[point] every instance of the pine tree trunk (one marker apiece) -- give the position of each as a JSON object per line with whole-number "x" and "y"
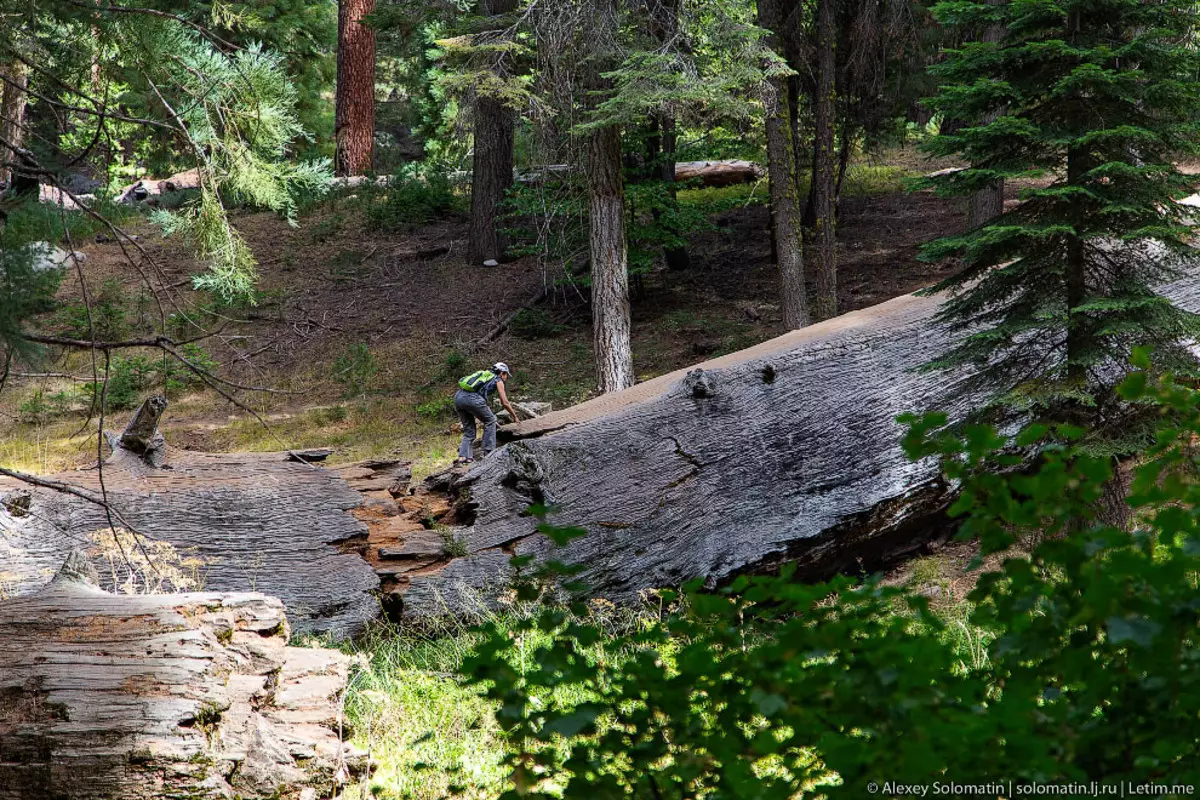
{"x": 12, "y": 115}
{"x": 1075, "y": 279}
{"x": 354, "y": 123}
{"x": 610, "y": 270}
{"x": 847, "y": 150}
{"x": 988, "y": 203}
{"x": 785, "y": 204}
{"x": 985, "y": 205}
{"x": 492, "y": 165}
{"x": 824, "y": 175}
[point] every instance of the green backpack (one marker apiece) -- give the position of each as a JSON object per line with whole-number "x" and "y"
{"x": 476, "y": 380}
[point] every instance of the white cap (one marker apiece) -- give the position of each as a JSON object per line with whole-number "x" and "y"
{"x": 500, "y": 366}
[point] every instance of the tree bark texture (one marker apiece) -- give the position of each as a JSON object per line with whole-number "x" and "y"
{"x": 610, "y": 271}
{"x": 492, "y": 162}
{"x": 253, "y": 522}
{"x": 787, "y": 451}
{"x": 824, "y": 240}
{"x": 110, "y": 697}
{"x": 1075, "y": 283}
{"x": 12, "y": 115}
{"x": 354, "y": 116}
{"x": 785, "y": 203}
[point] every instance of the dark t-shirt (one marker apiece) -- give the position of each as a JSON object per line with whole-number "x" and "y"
{"x": 487, "y": 389}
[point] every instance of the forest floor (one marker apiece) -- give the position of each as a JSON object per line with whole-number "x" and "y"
{"x": 362, "y": 332}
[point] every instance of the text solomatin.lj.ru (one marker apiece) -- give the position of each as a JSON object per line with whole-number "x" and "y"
{"x": 1006, "y": 789}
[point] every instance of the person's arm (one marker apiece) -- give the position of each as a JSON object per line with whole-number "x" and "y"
{"x": 504, "y": 401}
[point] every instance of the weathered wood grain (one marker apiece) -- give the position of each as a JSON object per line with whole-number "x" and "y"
{"x": 255, "y": 522}
{"x": 786, "y": 451}
{"x": 193, "y": 696}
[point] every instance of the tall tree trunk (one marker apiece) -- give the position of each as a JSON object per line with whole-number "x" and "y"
{"x": 12, "y": 115}
{"x": 988, "y": 203}
{"x": 785, "y": 203}
{"x": 610, "y": 270}
{"x": 1076, "y": 267}
{"x": 354, "y": 118}
{"x": 1076, "y": 283}
{"x": 846, "y": 150}
{"x": 824, "y": 176}
{"x": 492, "y": 165}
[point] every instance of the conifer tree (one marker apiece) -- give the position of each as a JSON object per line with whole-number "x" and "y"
{"x": 1098, "y": 97}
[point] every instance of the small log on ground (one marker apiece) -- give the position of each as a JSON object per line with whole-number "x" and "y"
{"x": 243, "y": 522}
{"x": 192, "y": 696}
{"x": 718, "y": 173}
{"x": 709, "y": 173}
{"x": 787, "y": 451}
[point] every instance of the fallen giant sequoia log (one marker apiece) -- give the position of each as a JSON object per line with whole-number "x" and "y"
{"x": 787, "y": 451}
{"x": 164, "y": 696}
{"x": 248, "y": 521}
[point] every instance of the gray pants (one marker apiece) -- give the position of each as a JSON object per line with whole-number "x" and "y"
{"x": 470, "y": 407}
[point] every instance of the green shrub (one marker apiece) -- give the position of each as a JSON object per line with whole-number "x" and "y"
{"x": 534, "y": 323}
{"x": 108, "y": 315}
{"x": 1084, "y": 664}
{"x": 128, "y": 378}
{"x": 331, "y": 415}
{"x": 656, "y": 222}
{"x": 64, "y": 401}
{"x": 178, "y": 378}
{"x": 34, "y": 409}
{"x": 439, "y": 407}
{"x": 455, "y": 364}
{"x": 411, "y": 201}
{"x": 354, "y": 369}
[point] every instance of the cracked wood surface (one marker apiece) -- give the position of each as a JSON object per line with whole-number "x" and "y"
{"x": 193, "y": 696}
{"x": 255, "y": 521}
{"x": 787, "y": 451}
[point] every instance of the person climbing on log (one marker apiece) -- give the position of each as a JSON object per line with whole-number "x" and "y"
{"x": 471, "y": 403}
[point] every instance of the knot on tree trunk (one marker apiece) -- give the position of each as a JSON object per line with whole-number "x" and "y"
{"x": 700, "y": 384}
{"x": 526, "y": 476}
{"x": 17, "y": 502}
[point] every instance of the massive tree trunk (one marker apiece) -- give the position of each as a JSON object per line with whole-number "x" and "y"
{"x": 239, "y": 522}
{"x": 824, "y": 240}
{"x": 12, "y": 115}
{"x": 606, "y": 217}
{"x": 354, "y": 117}
{"x": 492, "y": 163}
{"x": 785, "y": 205}
{"x": 610, "y": 271}
{"x": 180, "y": 695}
{"x": 788, "y": 451}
